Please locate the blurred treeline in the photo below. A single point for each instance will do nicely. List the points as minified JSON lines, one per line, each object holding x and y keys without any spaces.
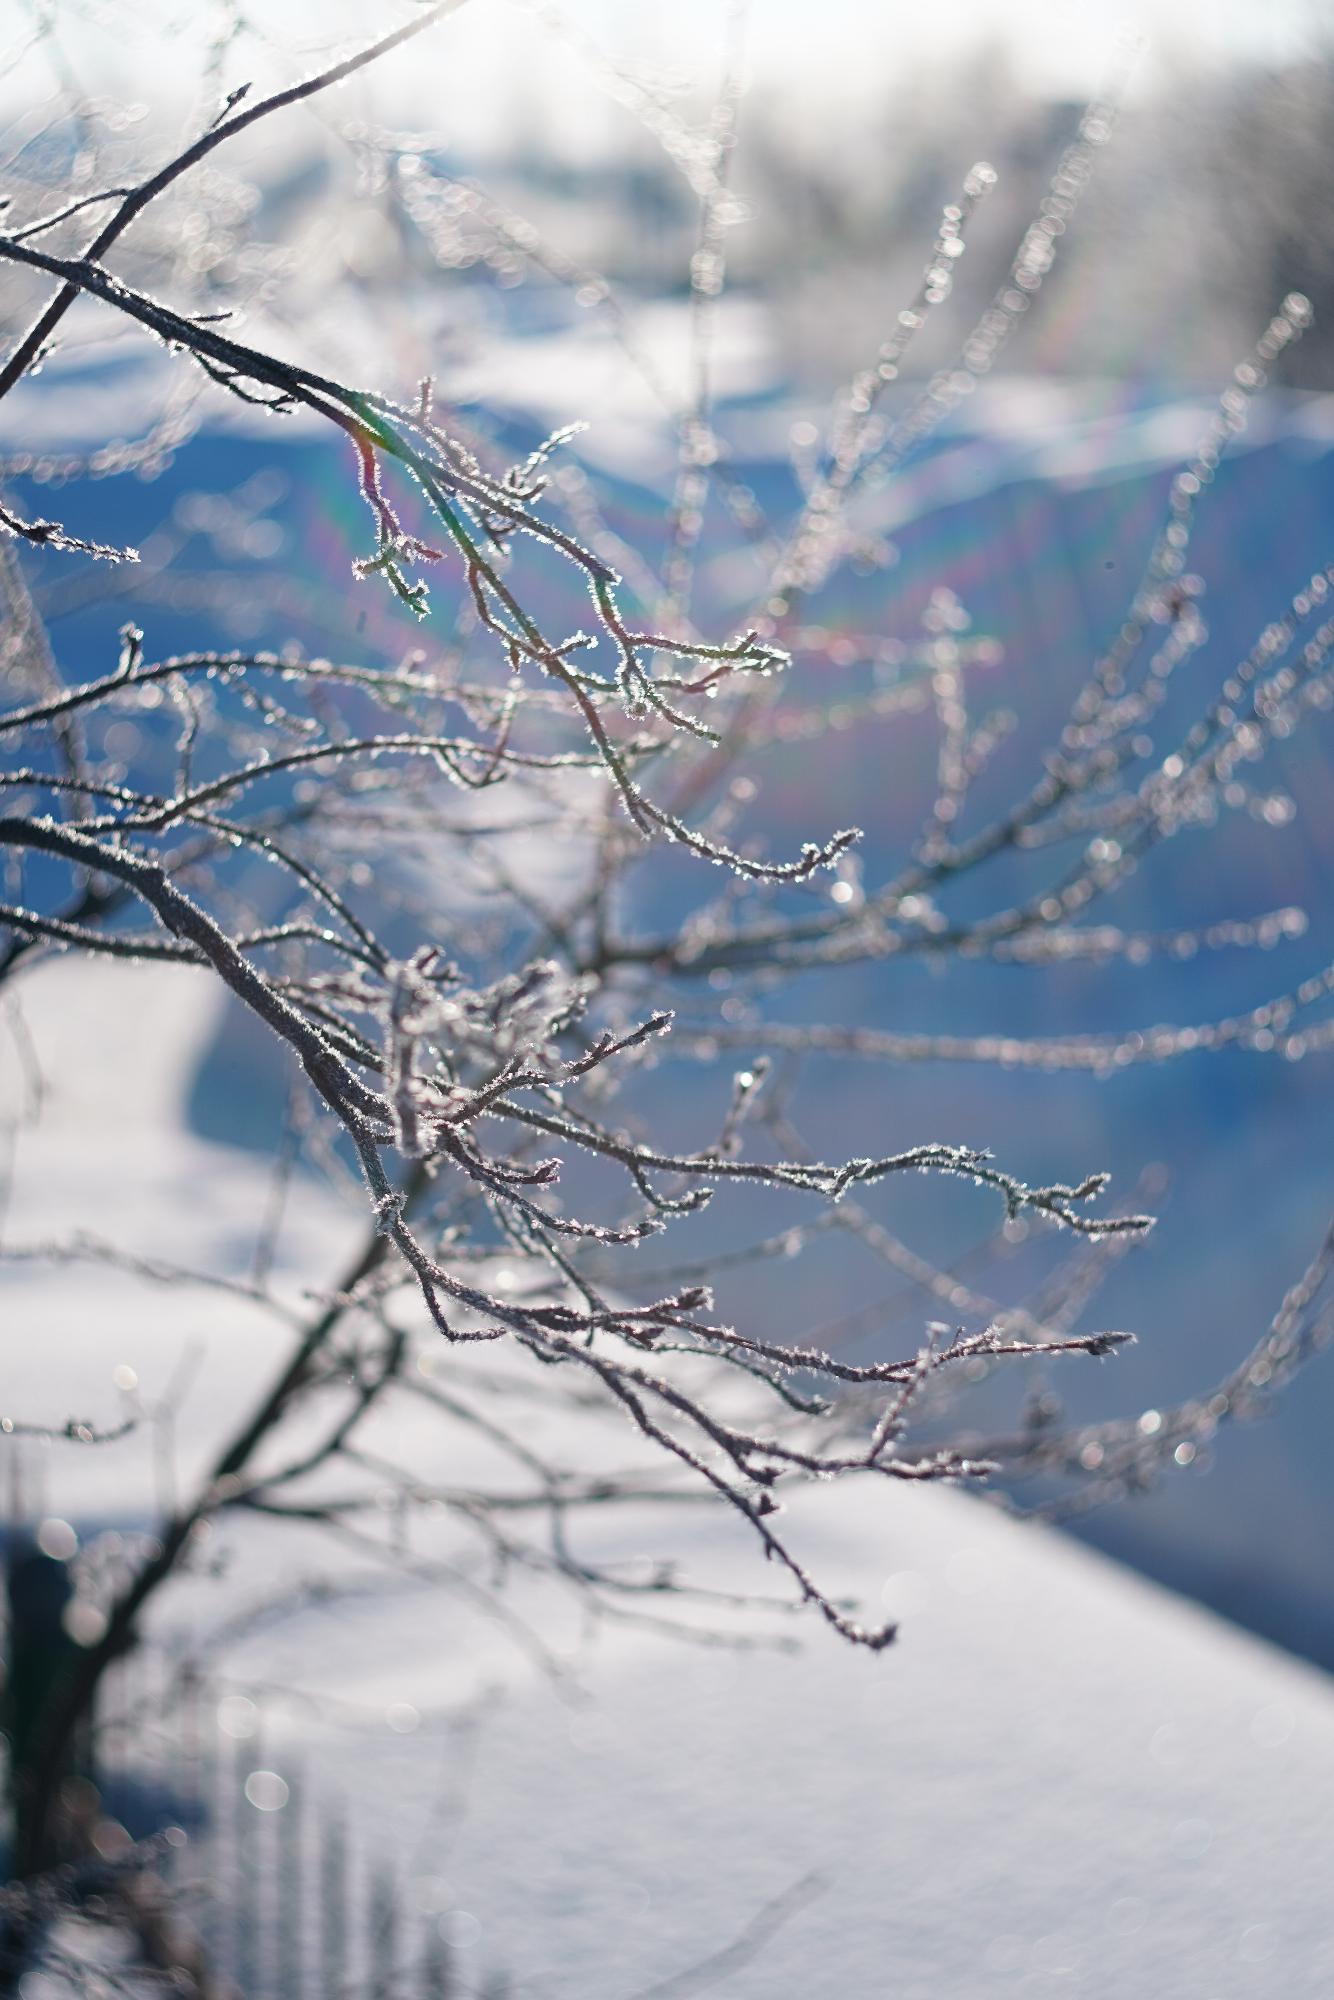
{"x":1211,"y":203}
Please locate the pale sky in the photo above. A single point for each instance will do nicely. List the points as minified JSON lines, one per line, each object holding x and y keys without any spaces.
{"x":494,"y":51}
{"x":1063,"y":40}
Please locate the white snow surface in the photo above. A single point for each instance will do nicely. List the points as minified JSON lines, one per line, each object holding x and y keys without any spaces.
{"x":1060,"y":1780}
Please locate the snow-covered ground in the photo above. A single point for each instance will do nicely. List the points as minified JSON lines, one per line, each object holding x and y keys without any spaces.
{"x":1060,"y":1780}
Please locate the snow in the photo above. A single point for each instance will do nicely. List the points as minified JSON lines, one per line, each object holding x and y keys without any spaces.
{"x":1060,"y":1780}
{"x":106,"y":1158}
